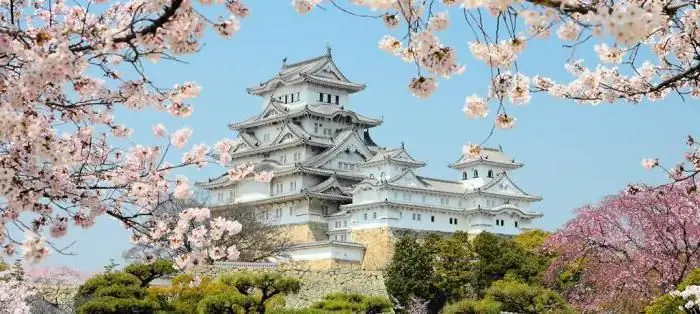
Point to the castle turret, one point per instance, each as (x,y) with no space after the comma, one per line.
(486,166)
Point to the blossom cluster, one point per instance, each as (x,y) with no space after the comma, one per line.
(64,70)
(14,293)
(623,250)
(619,32)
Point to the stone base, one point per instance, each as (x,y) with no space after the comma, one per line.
(317,283)
(379,245)
(305,233)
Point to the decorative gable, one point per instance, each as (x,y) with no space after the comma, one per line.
(286,136)
(408,178)
(350,149)
(504,185)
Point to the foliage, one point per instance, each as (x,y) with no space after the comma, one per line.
(355,303)
(669,303)
(245,291)
(453,265)
(454,268)
(410,274)
(520,297)
(484,306)
(114,292)
(227,302)
(182,296)
(151,271)
(261,287)
(628,249)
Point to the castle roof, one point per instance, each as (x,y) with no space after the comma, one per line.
(397,155)
(277,111)
(320,70)
(490,156)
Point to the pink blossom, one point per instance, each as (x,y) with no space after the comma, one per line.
(159,130)
(180,137)
(629,244)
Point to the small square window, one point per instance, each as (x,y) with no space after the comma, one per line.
(432,218)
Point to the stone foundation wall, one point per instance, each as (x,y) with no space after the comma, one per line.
(379,243)
(317,283)
(305,233)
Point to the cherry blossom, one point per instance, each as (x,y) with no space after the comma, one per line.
(620,33)
(65,68)
(630,245)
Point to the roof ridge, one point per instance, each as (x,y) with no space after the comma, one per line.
(302,62)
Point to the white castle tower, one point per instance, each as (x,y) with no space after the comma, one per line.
(340,197)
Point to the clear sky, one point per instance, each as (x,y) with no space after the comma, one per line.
(573,154)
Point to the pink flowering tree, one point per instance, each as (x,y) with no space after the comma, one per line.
(65,67)
(645,51)
(632,246)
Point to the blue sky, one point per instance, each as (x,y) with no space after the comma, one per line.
(574,154)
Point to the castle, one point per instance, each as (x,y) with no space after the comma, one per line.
(338,195)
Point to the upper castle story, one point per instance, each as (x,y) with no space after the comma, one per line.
(304,104)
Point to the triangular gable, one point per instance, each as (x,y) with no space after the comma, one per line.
(349,142)
(330,186)
(408,178)
(241,144)
(287,135)
(271,110)
(329,69)
(503,185)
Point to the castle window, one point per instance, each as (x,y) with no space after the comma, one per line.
(278,213)
(324,210)
(345,223)
(279,188)
(455,221)
(464,175)
(450,220)
(297,156)
(283,159)
(516,224)
(337,99)
(286,100)
(476,173)
(297,96)
(328,98)
(291,211)
(423,198)
(490,174)
(293,186)
(316,127)
(432,218)
(231,196)
(365,216)
(266,137)
(374,215)
(320,96)
(418,217)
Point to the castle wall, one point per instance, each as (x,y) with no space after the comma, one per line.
(306,232)
(318,279)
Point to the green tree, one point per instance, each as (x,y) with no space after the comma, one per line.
(495,257)
(410,273)
(261,287)
(146,273)
(114,292)
(453,266)
(668,304)
(484,306)
(515,296)
(354,303)
(182,297)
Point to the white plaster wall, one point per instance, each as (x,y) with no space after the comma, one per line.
(327,252)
